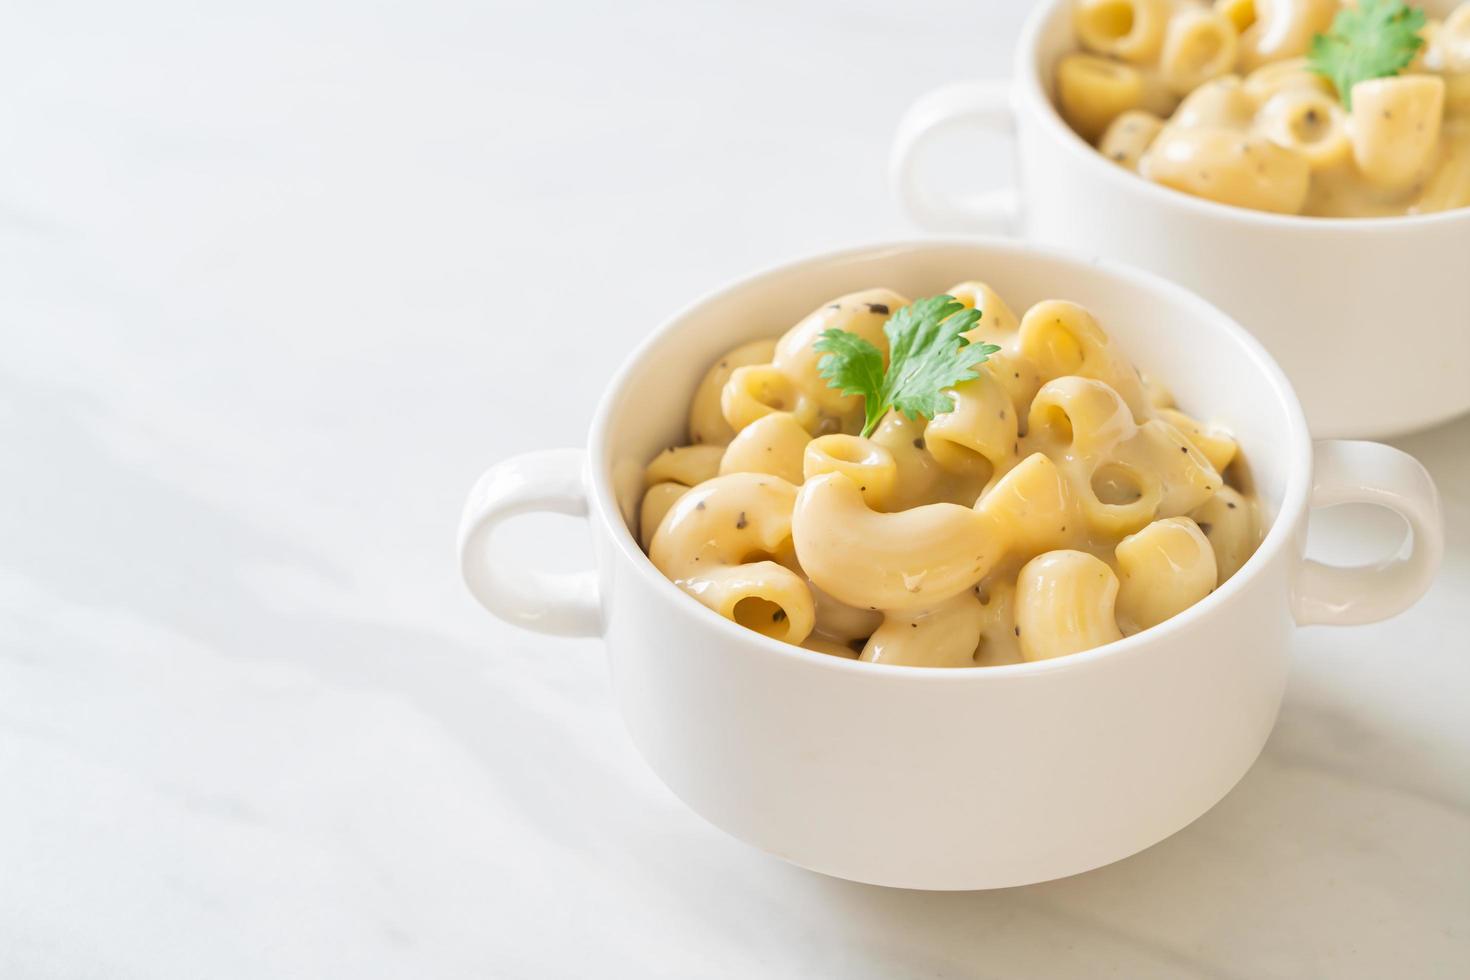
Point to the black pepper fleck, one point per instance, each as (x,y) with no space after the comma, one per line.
(741,522)
(1230,504)
(778,615)
(1018,631)
(878,307)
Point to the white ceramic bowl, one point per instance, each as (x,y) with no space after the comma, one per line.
(934,778)
(1370,317)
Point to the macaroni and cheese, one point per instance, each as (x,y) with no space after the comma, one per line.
(1219,101)
(1063,502)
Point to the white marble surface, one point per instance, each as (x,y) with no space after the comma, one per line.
(276,281)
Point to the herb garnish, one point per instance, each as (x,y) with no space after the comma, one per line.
(1375,39)
(927,353)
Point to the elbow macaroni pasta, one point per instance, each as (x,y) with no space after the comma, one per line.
(1063,503)
(1217,101)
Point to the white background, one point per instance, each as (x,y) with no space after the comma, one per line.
(276,281)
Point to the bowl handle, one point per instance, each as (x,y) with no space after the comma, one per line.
(958,106)
(551,481)
(1348,472)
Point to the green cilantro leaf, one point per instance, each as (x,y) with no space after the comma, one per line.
(853,366)
(926,355)
(1375,39)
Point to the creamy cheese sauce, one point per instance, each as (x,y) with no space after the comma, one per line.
(1218,101)
(1064,502)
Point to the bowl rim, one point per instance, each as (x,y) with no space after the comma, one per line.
(1028,95)
(1279,536)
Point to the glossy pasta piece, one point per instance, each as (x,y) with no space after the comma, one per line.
(1062,338)
(1129,136)
(1014,374)
(1309,122)
(917,477)
(1032,508)
(1132,30)
(657,501)
(1000,643)
(838,621)
(1283,29)
(1228,520)
(997,322)
(862,313)
(1449,187)
(1152,472)
(913,559)
(821,644)
(1448,49)
(1079,415)
(1119,498)
(1217,445)
(945,635)
(1291,75)
(762,596)
(760,389)
(1158,394)
(1220,104)
(1395,128)
(1457,97)
(727,542)
(706,421)
(1065,604)
(771,444)
(1221,165)
(1000,326)
(979,436)
(864,461)
(1240,13)
(684,464)
(1199,45)
(1162,571)
(1093,91)
(1184,475)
